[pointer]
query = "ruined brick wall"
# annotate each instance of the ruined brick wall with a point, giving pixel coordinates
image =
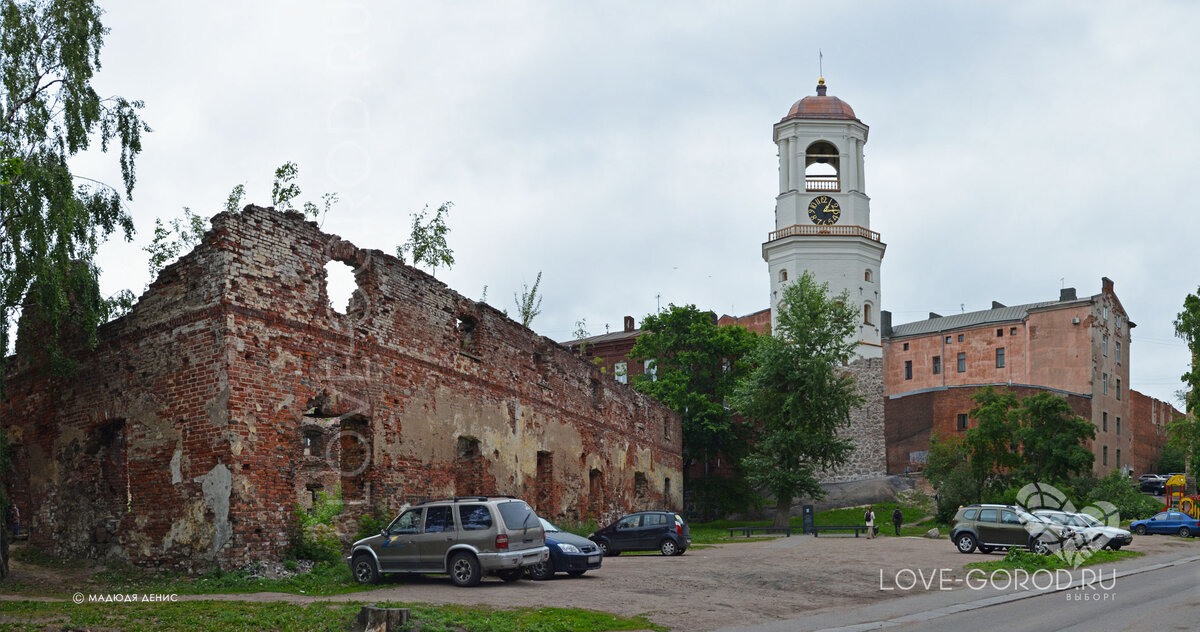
(913, 418)
(866, 427)
(243, 392)
(1148, 419)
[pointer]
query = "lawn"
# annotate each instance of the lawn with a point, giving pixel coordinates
(234, 616)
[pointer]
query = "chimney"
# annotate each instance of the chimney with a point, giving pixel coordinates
(1107, 284)
(1067, 294)
(998, 305)
(629, 323)
(933, 315)
(885, 323)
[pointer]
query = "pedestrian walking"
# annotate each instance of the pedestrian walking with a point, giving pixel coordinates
(869, 517)
(897, 519)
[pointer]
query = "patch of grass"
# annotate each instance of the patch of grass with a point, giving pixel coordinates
(717, 531)
(326, 578)
(235, 616)
(1018, 558)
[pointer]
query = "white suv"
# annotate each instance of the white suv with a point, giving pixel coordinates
(466, 537)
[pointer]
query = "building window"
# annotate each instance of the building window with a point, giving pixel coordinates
(1118, 429)
(1000, 332)
(908, 369)
(1118, 388)
(962, 421)
(906, 346)
(1104, 381)
(962, 363)
(783, 275)
(866, 314)
(1104, 345)
(621, 372)
(1105, 453)
(960, 337)
(947, 339)
(1104, 421)
(1000, 358)
(1104, 313)
(1118, 352)
(649, 369)
(1012, 332)
(937, 365)
(1118, 458)
(867, 275)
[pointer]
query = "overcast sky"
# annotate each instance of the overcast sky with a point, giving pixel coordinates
(625, 149)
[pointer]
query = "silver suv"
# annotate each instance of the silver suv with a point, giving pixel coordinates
(466, 537)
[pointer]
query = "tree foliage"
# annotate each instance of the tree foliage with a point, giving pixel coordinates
(529, 303)
(427, 241)
(698, 365)
(991, 442)
(1052, 439)
(50, 223)
(1187, 326)
(799, 394)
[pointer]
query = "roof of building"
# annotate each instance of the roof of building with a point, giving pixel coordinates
(821, 106)
(973, 319)
(602, 338)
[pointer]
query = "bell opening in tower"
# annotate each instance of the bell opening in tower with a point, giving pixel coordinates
(821, 167)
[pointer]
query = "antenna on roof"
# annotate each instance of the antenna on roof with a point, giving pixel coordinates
(820, 63)
(962, 308)
(1062, 282)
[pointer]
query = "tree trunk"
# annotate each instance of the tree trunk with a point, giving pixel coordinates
(3, 550)
(783, 510)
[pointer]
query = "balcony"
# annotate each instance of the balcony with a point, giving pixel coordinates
(832, 231)
(826, 184)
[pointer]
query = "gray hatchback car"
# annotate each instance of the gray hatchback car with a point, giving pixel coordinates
(467, 537)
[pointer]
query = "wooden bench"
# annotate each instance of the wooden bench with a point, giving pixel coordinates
(746, 531)
(817, 529)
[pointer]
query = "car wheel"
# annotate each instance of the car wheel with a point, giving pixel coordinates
(1140, 529)
(1185, 532)
(464, 570)
(605, 550)
(1039, 546)
(542, 570)
(985, 549)
(965, 543)
(511, 575)
(1115, 547)
(364, 569)
(668, 547)
(575, 573)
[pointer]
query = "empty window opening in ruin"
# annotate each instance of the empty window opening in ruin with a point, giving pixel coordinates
(544, 496)
(311, 442)
(595, 493)
(354, 456)
(113, 491)
(340, 286)
(639, 486)
(468, 468)
(667, 491)
(466, 331)
(314, 491)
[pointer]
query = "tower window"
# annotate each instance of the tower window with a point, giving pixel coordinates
(867, 275)
(783, 275)
(1104, 418)
(821, 166)
(867, 314)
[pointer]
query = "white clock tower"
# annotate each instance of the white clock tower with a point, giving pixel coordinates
(822, 212)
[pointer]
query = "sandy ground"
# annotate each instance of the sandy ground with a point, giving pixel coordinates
(707, 588)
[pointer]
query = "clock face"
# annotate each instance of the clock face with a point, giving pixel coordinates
(824, 210)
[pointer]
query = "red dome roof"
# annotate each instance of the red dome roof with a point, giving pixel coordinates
(820, 107)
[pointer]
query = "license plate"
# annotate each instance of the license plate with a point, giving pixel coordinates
(592, 559)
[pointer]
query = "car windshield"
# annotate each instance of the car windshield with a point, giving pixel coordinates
(1088, 520)
(549, 528)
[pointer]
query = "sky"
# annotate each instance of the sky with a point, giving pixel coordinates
(624, 149)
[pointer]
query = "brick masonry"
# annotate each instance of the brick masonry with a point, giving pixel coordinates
(233, 391)
(1148, 419)
(866, 427)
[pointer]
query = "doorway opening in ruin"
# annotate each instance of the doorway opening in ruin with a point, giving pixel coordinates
(112, 496)
(639, 490)
(595, 493)
(544, 496)
(354, 447)
(468, 468)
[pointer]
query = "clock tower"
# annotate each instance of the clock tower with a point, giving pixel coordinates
(822, 212)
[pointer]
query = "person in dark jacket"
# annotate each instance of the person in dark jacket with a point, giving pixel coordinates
(897, 519)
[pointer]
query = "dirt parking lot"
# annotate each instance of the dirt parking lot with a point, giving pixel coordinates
(730, 584)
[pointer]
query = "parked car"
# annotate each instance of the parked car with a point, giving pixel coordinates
(1092, 531)
(1175, 522)
(467, 537)
(990, 527)
(1153, 484)
(569, 553)
(663, 531)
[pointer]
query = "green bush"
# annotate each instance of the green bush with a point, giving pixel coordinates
(313, 536)
(1118, 489)
(372, 523)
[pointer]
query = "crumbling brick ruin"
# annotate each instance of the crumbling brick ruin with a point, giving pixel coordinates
(234, 391)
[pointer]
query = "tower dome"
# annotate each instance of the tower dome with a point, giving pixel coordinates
(820, 106)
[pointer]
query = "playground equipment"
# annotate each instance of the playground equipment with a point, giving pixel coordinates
(1176, 499)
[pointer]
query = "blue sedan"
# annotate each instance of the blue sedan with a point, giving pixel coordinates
(1175, 522)
(569, 553)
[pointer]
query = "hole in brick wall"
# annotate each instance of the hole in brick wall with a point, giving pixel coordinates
(544, 496)
(466, 330)
(639, 486)
(595, 493)
(339, 286)
(468, 468)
